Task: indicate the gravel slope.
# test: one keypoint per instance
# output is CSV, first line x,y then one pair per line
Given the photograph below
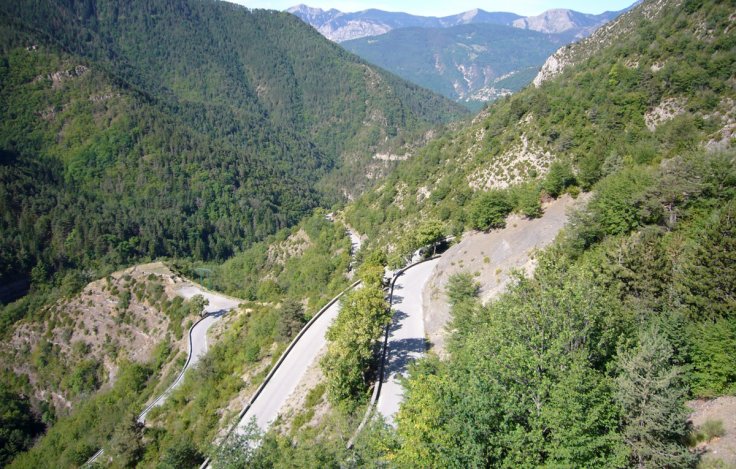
x,y
491,256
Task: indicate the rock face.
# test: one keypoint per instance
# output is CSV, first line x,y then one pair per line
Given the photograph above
x,y
340,26
562,20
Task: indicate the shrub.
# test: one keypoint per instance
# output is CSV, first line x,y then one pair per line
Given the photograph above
x,y
489,210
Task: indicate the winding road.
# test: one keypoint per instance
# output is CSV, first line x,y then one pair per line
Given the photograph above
x,y
217,307
406,340
304,350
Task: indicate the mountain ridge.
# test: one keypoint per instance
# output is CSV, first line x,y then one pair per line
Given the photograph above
x,y
470,63
141,108
341,26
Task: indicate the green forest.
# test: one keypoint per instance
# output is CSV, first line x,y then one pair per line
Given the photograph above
x,y
510,55
138,130
218,138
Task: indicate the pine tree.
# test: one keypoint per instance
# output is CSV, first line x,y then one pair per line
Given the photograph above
x,y
651,395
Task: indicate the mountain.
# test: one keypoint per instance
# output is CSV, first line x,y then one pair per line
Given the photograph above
x,y
591,359
472,63
565,21
341,26
190,128
586,361
627,93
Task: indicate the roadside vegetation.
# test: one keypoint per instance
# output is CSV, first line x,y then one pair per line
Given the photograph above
x,y
587,363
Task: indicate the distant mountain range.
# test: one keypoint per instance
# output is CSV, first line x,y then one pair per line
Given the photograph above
x,y
341,26
470,63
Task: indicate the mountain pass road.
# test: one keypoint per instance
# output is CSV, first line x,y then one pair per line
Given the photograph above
x,y
406,341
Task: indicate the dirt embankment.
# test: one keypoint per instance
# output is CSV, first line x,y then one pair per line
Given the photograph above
x,y
111,319
491,257
722,448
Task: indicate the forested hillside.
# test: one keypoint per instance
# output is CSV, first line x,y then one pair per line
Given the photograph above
x,y
187,129
660,85
589,362
586,363
472,63
190,130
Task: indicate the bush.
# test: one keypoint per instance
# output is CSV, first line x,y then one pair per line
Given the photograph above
x,y
526,200
560,177
489,210
712,429
709,430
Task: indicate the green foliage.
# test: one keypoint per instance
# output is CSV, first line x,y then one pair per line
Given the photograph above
x,y
462,287
363,316
592,127
489,210
75,437
126,444
651,395
709,430
429,233
291,319
554,373
84,378
616,208
559,177
131,132
526,200
710,265
197,304
290,265
18,424
181,454
712,351
241,449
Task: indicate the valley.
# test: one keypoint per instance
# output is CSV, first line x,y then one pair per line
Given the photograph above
x,y
245,246
474,57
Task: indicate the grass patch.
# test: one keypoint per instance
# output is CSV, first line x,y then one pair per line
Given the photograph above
x,y
709,430
314,396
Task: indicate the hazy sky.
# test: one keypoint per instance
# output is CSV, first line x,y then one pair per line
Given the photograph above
x,y
444,8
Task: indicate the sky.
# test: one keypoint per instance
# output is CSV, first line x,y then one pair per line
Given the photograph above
x,y
445,8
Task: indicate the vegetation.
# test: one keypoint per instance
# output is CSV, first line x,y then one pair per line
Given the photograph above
x,y
18,424
586,363
432,57
709,430
304,262
73,439
185,130
350,359
591,122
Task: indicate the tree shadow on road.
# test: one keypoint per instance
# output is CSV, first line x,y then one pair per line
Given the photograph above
x,y
396,319
396,300
401,353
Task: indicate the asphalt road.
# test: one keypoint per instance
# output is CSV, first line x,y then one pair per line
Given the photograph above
x,y
217,307
406,341
267,406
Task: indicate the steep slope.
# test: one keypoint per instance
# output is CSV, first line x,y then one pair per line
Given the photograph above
x,y
470,63
340,26
603,37
590,361
180,129
291,276
656,86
